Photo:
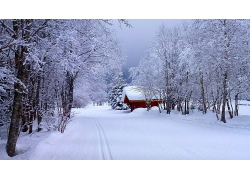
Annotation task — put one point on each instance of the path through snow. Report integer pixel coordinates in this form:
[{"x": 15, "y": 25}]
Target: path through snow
[{"x": 101, "y": 133}]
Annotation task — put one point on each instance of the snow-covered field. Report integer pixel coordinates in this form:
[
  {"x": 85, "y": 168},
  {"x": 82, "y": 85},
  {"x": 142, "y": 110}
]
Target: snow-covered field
[
  {"x": 97, "y": 132},
  {"x": 101, "y": 133}
]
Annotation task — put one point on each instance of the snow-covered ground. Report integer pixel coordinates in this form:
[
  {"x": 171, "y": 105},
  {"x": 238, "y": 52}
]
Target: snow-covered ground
[{"x": 97, "y": 132}]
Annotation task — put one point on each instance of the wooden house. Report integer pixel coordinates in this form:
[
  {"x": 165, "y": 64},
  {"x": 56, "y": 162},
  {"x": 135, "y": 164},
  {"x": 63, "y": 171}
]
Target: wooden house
[{"x": 135, "y": 99}]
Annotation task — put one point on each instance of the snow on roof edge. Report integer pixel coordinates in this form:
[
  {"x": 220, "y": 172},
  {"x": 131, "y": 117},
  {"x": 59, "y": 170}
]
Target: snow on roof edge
[{"x": 133, "y": 93}]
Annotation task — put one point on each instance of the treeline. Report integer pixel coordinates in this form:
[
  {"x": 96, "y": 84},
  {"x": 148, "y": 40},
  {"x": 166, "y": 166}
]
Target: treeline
[
  {"x": 204, "y": 62},
  {"x": 48, "y": 66}
]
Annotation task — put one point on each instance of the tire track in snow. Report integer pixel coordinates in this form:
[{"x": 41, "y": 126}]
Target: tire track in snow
[{"x": 105, "y": 151}]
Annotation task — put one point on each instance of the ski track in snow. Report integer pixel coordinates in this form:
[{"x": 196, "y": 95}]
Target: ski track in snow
[
  {"x": 75, "y": 145},
  {"x": 104, "y": 147}
]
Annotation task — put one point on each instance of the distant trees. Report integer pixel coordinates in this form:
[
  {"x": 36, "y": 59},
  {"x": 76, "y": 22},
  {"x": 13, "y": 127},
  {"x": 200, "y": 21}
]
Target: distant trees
[
  {"x": 204, "y": 62},
  {"x": 41, "y": 62}
]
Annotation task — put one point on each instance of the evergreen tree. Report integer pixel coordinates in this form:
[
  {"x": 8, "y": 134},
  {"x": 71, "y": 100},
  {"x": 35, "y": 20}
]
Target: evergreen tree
[{"x": 115, "y": 94}]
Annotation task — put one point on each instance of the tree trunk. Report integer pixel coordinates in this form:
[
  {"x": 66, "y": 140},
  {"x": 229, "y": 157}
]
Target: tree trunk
[
  {"x": 148, "y": 104},
  {"x": 214, "y": 102},
  {"x": 37, "y": 108},
  {"x": 67, "y": 100},
  {"x": 229, "y": 109},
  {"x": 168, "y": 107},
  {"x": 24, "y": 124},
  {"x": 231, "y": 106},
  {"x": 236, "y": 108},
  {"x": 224, "y": 98},
  {"x": 185, "y": 107},
  {"x": 16, "y": 117},
  {"x": 225, "y": 60},
  {"x": 216, "y": 112},
  {"x": 179, "y": 107},
  {"x": 203, "y": 95},
  {"x": 173, "y": 105},
  {"x": 32, "y": 102},
  {"x": 218, "y": 105},
  {"x": 187, "y": 111},
  {"x": 159, "y": 106},
  {"x": 70, "y": 88},
  {"x": 164, "y": 104}
]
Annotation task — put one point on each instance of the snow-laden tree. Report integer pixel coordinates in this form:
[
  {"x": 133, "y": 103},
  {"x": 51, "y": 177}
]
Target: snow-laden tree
[{"x": 115, "y": 93}]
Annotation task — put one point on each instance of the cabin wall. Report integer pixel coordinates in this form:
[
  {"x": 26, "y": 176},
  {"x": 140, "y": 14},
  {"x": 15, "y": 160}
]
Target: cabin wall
[
  {"x": 135, "y": 105},
  {"x": 141, "y": 104}
]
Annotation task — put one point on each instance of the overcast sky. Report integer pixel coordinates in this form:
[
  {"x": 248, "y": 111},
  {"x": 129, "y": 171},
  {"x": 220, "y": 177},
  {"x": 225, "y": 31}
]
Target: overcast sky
[{"x": 135, "y": 40}]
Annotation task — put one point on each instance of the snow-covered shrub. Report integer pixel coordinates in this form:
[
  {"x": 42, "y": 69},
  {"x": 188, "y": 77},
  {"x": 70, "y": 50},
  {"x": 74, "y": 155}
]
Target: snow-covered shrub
[{"x": 48, "y": 120}]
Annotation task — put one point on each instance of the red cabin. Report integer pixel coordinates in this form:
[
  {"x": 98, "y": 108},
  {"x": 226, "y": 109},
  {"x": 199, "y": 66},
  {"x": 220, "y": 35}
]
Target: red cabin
[{"x": 135, "y": 98}]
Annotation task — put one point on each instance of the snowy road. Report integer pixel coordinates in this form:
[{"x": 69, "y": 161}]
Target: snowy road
[
  {"x": 101, "y": 133},
  {"x": 83, "y": 139}
]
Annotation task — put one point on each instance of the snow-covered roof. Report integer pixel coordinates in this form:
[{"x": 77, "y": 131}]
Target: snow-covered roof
[{"x": 133, "y": 93}]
